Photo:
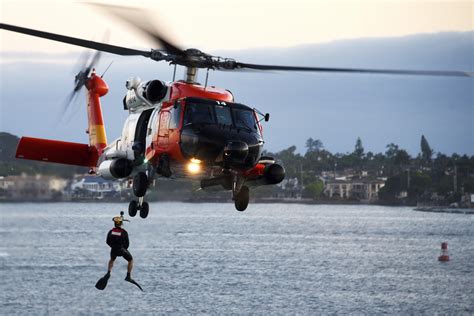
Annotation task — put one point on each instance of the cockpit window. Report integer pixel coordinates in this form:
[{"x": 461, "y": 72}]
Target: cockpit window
[
  {"x": 223, "y": 115},
  {"x": 245, "y": 119},
  {"x": 175, "y": 116},
  {"x": 198, "y": 114},
  {"x": 202, "y": 111}
]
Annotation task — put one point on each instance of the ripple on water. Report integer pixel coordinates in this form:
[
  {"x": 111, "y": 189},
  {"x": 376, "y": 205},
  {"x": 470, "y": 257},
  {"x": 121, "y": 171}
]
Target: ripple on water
[{"x": 207, "y": 258}]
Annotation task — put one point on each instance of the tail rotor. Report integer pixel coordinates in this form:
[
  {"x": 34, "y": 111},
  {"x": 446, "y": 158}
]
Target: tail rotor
[{"x": 86, "y": 65}]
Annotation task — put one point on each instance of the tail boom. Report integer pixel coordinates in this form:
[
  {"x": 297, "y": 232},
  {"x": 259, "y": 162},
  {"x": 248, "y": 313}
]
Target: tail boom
[{"x": 57, "y": 151}]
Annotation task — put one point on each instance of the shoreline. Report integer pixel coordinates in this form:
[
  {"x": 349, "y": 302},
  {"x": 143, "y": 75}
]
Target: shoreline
[
  {"x": 440, "y": 209},
  {"x": 433, "y": 209}
]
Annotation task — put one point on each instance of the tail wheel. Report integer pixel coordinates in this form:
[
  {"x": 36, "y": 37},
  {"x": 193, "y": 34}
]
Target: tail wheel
[
  {"x": 144, "y": 210},
  {"x": 242, "y": 199},
  {"x": 140, "y": 184},
  {"x": 132, "y": 208}
]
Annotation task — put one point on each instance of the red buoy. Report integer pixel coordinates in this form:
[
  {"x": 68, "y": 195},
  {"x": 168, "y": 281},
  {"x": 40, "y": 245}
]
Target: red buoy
[{"x": 444, "y": 252}]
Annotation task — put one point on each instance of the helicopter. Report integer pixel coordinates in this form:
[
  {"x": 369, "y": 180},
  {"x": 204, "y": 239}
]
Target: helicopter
[{"x": 177, "y": 129}]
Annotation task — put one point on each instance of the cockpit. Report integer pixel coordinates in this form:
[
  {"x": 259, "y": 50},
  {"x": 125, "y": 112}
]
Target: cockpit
[
  {"x": 221, "y": 132},
  {"x": 201, "y": 111}
]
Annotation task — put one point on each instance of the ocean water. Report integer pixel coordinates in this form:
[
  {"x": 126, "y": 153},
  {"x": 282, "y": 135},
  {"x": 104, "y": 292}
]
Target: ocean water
[{"x": 210, "y": 259}]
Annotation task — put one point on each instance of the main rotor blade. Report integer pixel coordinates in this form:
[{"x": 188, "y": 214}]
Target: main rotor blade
[
  {"x": 356, "y": 70},
  {"x": 138, "y": 19},
  {"x": 118, "y": 50}
]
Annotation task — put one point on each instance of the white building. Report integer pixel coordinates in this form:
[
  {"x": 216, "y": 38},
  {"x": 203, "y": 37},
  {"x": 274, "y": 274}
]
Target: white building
[
  {"x": 360, "y": 189},
  {"x": 96, "y": 187}
]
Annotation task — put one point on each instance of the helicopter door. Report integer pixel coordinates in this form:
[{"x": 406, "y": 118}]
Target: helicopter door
[
  {"x": 128, "y": 135},
  {"x": 163, "y": 131},
  {"x": 152, "y": 129},
  {"x": 139, "y": 141}
]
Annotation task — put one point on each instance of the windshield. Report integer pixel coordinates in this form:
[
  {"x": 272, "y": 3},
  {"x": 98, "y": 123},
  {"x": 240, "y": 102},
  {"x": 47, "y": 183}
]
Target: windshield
[
  {"x": 215, "y": 112},
  {"x": 223, "y": 115},
  {"x": 198, "y": 114},
  {"x": 245, "y": 119}
]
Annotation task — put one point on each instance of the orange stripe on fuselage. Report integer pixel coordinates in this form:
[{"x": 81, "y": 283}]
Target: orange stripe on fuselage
[{"x": 97, "y": 137}]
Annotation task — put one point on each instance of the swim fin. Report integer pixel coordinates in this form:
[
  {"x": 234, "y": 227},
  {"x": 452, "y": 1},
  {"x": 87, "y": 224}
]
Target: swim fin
[
  {"x": 129, "y": 279},
  {"x": 102, "y": 283}
]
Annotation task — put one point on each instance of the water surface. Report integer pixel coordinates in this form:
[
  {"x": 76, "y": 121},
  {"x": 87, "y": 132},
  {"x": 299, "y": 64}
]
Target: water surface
[{"x": 209, "y": 258}]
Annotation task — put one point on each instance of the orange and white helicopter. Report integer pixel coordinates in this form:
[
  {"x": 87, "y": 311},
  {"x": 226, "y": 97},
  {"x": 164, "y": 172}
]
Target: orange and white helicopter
[{"x": 174, "y": 129}]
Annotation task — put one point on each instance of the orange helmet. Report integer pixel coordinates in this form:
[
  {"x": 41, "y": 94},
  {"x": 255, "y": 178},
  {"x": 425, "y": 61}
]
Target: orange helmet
[{"x": 118, "y": 221}]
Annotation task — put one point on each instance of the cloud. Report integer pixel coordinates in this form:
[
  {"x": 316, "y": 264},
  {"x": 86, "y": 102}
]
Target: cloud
[{"x": 334, "y": 108}]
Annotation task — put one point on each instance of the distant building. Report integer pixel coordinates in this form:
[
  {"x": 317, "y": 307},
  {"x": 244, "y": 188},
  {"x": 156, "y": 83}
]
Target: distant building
[
  {"x": 359, "y": 189},
  {"x": 289, "y": 189},
  {"x": 467, "y": 200},
  {"x": 87, "y": 187},
  {"x": 6, "y": 182},
  {"x": 38, "y": 187},
  {"x": 402, "y": 195}
]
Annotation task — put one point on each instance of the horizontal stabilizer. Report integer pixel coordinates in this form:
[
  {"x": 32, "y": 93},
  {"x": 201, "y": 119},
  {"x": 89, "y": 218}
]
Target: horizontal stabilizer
[{"x": 56, "y": 151}]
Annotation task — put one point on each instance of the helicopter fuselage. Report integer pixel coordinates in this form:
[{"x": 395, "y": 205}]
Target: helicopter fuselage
[{"x": 192, "y": 125}]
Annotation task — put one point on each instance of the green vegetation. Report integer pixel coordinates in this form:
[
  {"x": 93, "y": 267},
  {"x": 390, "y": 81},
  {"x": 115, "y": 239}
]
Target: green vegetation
[
  {"x": 409, "y": 178},
  {"x": 419, "y": 177},
  {"x": 314, "y": 190}
]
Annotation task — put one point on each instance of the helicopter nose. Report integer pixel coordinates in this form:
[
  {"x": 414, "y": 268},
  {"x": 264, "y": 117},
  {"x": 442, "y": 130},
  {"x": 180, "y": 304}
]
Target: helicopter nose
[{"x": 236, "y": 151}]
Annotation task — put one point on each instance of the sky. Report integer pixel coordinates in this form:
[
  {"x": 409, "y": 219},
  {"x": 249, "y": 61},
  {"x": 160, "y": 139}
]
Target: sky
[
  {"x": 240, "y": 24},
  {"x": 313, "y": 33}
]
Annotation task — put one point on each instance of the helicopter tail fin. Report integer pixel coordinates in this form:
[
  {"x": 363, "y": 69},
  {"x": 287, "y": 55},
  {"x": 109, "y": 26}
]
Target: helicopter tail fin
[
  {"x": 97, "y": 88},
  {"x": 69, "y": 153},
  {"x": 56, "y": 151}
]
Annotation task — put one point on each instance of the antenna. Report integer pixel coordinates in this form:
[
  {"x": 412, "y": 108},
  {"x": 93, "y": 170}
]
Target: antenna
[
  {"x": 207, "y": 77},
  {"x": 107, "y": 68},
  {"x": 174, "y": 72}
]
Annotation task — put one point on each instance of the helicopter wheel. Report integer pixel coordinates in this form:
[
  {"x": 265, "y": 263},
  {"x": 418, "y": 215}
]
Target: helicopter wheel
[
  {"x": 242, "y": 199},
  {"x": 144, "y": 209},
  {"x": 132, "y": 208},
  {"x": 140, "y": 184}
]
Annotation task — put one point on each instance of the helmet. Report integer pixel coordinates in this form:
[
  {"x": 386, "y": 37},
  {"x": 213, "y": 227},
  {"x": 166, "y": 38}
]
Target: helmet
[{"x": 118, "y": 221}]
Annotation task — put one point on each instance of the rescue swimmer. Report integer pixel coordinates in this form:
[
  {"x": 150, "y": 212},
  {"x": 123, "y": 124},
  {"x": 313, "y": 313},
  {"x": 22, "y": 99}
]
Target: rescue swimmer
[{"x": 117, "y": 239}]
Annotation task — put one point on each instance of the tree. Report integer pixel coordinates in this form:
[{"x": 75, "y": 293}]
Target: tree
[
  {"x": 426, "y": 151},
  {"x": 419, "y": 183},
  {"x": 359, "y": 149},
  {"x": 402, "y": 158},
  {"x": 313, "y": 145},
  {"x": 292, "y": 162},
  {"x": 392, "y": 150},
  {"x": 391, "y": 189},
  {"x": 314, "y": 189}
]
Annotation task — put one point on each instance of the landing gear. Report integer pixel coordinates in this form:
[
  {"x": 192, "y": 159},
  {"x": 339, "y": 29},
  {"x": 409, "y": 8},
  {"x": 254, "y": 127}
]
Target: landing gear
[
  {"x": 144, "y": 210},
  {"x": 240, "y": 193},
  {"x": 140, "y": 184},
  {"x": 241, "y": 199},
  {"x": 132, "y": 208},
  {"x": 141, "y": 206}
]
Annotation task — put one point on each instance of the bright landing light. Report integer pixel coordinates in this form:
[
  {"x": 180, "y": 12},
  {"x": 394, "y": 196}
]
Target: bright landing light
[{"x": 194, "y": 166}]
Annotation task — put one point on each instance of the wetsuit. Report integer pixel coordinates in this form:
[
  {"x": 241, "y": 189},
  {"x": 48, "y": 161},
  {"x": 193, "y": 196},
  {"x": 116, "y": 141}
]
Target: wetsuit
[{"x": 117, "y": 239}]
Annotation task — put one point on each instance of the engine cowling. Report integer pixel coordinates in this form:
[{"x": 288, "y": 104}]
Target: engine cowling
[
  {"x": 273, "y": 173},
  {"x": 144, "y": 93},
  {"x": 115, "y": 168}
]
